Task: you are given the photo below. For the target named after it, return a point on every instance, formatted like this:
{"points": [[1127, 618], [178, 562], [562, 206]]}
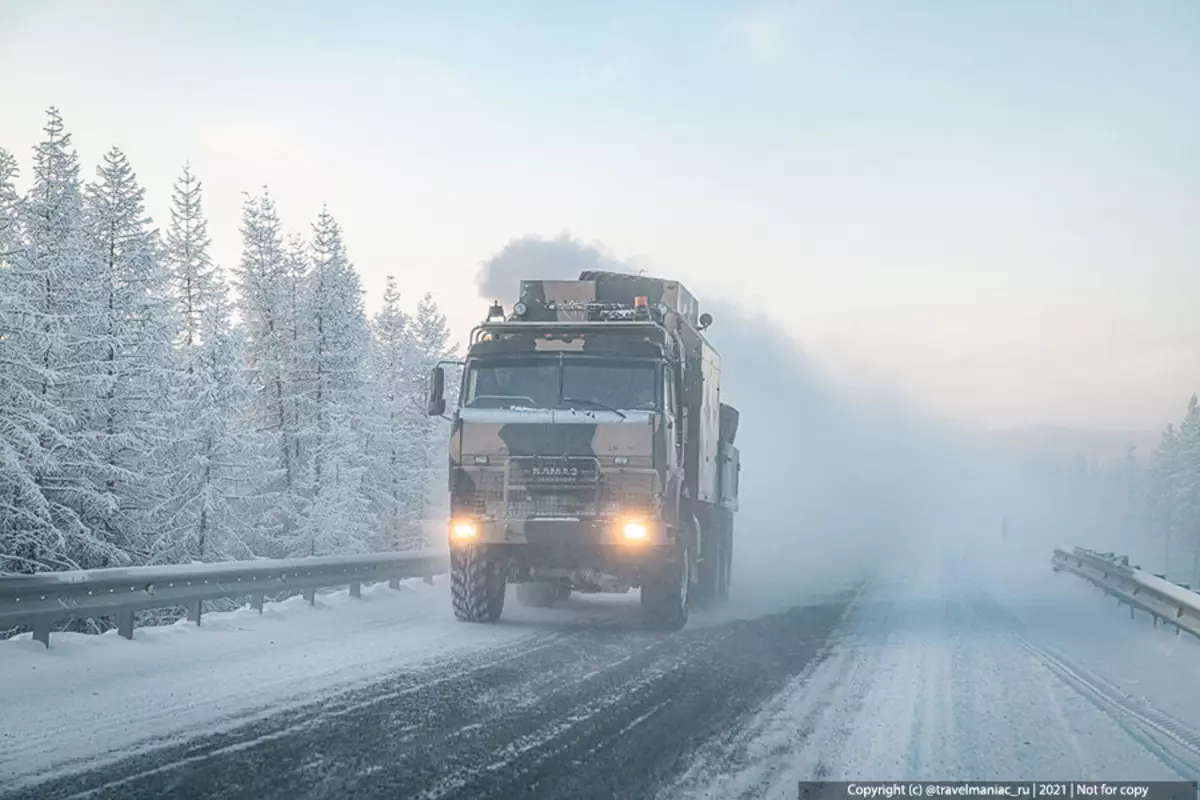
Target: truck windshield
{"points": [[563, 383]]}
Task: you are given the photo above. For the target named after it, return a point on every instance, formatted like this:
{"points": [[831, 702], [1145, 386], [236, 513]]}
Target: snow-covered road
{"points": [[972, 660], [965, 659]]}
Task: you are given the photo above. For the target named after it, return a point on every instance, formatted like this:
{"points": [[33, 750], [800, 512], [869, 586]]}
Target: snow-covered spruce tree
{"points": [[1160, 506], [188, 260], [47, 334], [26, 524], [394, 455], [1172, 498], [124, 399], [430, 336], [335, 337], [10, 209], [276, 506], [1187, 485], [297, 259], [212, 461]]}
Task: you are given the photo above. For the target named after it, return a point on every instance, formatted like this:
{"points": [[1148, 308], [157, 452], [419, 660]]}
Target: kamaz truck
{"points": [[590, 451]]}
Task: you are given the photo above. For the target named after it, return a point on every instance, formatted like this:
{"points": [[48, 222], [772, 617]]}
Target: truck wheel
{"points": [[537, 594], [563, 590], [476, 586], [666, 593]]}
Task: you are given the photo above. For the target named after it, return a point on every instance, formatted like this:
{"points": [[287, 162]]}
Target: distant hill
{"points": [[1056, 444]]}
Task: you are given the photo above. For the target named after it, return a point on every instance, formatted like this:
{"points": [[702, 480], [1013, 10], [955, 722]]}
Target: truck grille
{"points": [[493, 493]]}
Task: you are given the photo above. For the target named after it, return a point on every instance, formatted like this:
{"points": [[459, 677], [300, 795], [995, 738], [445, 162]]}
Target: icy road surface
{"points": [[937, 667]]}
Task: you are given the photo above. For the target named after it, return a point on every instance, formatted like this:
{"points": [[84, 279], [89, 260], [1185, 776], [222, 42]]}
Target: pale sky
{"points": [[992, 205]]}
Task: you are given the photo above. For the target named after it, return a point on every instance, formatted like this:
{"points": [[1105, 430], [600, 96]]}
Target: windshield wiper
{"points": [[595, 403]]}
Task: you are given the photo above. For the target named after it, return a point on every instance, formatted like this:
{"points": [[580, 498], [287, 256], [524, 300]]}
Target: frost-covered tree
{"points": [[277, 506], [1186, 483], [124, 408], [296, 261], [10, 209], [430, 336], [47, 342], [395, 457], [188, 260], [212, 461], [25, 519], [1173, 494], [334, 340]]}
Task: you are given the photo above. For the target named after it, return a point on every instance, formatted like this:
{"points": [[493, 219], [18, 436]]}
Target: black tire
{"points": [[666, 594], [537, 594], [564, 590], [476, 586]]}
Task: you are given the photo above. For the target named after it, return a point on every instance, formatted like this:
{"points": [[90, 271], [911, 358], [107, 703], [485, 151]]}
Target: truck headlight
{"points": [[635, 531], [462, 529]]}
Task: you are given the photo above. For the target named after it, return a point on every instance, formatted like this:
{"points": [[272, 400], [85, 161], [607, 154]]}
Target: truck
{"points": [[590, 451]]}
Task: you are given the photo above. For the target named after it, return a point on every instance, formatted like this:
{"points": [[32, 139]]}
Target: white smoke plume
{"points": [[536, 258]]}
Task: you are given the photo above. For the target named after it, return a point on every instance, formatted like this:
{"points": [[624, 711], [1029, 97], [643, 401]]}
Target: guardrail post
{"points": [[355, 589], [310, 595], [194, 611], [41, 632], [256, 601], [125, 624], [394, 583]]}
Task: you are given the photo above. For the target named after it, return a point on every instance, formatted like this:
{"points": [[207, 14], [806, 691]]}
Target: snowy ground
{"points": [[89, 699], [972, 661], [965, 659]]}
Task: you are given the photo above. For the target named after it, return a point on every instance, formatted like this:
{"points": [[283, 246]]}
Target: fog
{"points": [[834, 477], [837, 475]]}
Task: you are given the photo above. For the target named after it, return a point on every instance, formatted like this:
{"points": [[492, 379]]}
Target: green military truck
{"points": [[590, 451]]}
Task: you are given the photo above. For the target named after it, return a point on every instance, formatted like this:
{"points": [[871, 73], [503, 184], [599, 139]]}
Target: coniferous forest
{"points": [[157, 407]]}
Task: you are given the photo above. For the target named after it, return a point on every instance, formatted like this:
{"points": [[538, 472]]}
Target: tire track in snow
{"points": [[604, 710], [932, 679], [1171, 740], [254, 726], [750, 761]]}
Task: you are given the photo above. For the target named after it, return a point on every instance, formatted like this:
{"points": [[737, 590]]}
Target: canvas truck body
{"points": [[587, 452]]}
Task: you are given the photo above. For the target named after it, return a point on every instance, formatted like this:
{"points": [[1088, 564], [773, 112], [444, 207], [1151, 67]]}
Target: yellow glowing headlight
{"points": [[463, 529], [635, 531]]}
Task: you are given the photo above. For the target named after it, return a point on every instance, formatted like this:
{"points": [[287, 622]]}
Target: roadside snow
{"points": [[94, 698], [972, 660]]}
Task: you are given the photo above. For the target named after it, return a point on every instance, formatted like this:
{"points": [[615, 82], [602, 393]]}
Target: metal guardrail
{"points": [[1164, 601], [38, 601]]}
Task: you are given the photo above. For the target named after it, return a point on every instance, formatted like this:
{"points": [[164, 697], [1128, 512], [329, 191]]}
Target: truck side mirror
{"points": [[705, 321], [437, 392]]}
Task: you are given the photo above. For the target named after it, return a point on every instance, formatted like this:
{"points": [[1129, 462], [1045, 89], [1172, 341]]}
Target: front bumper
{"points": [[550, 531], [570, 544]]}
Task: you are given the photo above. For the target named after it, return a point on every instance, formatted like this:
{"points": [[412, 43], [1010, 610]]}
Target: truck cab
{"points": [[586, 452]]}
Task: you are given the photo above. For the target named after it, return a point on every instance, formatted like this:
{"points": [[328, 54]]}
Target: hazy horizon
{"points": [[989, 209]]}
